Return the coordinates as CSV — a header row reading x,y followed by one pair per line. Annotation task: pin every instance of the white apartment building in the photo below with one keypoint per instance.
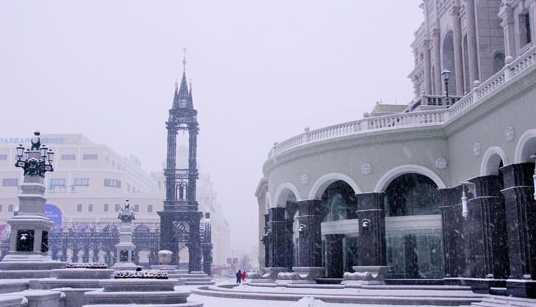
x,y
91,182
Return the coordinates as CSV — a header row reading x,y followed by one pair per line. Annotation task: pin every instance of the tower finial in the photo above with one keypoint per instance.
x,y
184,59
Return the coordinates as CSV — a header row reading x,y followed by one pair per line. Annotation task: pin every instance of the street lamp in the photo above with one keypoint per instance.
x,y
446,76
465,208
37,160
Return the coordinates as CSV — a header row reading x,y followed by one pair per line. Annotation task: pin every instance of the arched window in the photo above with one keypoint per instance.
x,y
524,30
498,61
411,194
413,228
338,202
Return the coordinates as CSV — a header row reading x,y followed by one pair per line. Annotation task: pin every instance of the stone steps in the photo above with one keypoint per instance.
x,y
501,301
406,298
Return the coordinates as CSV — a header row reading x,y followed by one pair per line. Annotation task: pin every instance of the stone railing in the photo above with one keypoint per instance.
x,y
422,118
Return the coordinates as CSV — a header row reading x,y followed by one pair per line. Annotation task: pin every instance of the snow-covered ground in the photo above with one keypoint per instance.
x,y
210,301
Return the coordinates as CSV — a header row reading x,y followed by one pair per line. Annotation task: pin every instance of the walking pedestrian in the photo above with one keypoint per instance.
x,y
238,276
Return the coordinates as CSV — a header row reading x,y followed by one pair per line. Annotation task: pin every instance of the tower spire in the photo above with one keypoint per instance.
x,y
184,60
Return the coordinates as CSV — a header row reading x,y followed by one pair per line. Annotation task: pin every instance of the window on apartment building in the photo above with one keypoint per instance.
x,y
56,185
90,157
137,208
84,182
1,208
10,208
10,182
105,208
68,157
79,208
524,29
3,157
113,183
117,207
90,208
149,208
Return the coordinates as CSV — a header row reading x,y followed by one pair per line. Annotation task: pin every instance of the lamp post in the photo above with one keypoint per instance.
x,y
29,239
37,160
446,76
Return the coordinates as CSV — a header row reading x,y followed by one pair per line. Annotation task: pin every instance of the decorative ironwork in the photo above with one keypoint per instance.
x,y
37,160
92,243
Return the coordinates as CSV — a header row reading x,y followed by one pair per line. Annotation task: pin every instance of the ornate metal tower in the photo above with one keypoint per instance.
x,y
180,220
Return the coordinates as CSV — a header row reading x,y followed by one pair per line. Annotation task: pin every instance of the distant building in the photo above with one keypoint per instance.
x,y
441,190
91,182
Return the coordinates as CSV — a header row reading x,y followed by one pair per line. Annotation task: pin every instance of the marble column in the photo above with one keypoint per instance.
x,y
427,67
486,230
371,242
265,241
436,43
521,228
453,239
471,41
458,58
277,243
310,240
507,15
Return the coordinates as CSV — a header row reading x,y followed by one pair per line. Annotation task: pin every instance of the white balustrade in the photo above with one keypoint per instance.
x,y
421,118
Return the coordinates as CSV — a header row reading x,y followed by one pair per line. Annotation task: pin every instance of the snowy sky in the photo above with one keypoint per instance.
x,y
261,72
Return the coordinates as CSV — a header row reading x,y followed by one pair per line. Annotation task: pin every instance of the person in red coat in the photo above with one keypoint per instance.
x,y
243,275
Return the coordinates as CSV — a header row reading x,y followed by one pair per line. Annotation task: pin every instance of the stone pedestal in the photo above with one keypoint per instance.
x,y
138,291
365,275
125,248
301,275
266,275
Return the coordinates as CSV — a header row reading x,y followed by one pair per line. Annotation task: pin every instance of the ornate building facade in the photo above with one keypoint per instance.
x,y
442,191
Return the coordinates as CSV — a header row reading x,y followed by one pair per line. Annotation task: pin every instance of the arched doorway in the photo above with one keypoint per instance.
x,y
339,241
413,228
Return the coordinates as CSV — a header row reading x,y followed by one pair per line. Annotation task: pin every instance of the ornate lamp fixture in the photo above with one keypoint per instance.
x,y
465,208
446,77
37,160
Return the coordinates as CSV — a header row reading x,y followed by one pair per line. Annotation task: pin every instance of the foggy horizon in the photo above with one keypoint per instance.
x,y
261,73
